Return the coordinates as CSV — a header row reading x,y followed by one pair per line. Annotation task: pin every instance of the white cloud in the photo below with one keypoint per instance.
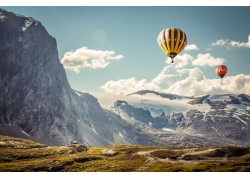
x,y
226,43
185,82
238,44
191,47
167,78
180,60
170,75
190,86
88,58
220,42
207,60
126,86
201,60
209,49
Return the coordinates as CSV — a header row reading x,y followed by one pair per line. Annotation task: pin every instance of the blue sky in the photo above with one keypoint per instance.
x,y
114,49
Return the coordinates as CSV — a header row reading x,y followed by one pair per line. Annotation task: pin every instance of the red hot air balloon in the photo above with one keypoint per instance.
x,y
221,71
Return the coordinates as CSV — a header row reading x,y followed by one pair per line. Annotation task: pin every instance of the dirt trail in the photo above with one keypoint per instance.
x,y
188,151
192,151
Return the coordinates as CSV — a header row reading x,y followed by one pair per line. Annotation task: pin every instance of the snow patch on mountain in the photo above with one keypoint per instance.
x,y
219,97
27,23
77,93
240,106
167,129
25,133
152,102
120,134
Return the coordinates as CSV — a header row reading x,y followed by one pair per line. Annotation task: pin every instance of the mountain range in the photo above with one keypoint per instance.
x,y
38,103
168,119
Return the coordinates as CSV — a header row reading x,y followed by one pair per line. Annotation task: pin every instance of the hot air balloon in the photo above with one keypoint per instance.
x,y
221,71
172,41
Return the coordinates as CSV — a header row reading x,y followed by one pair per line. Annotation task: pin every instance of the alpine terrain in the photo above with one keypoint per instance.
x,y
212,119
37,102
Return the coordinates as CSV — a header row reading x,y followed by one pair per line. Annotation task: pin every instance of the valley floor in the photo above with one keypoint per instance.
x,y
19,155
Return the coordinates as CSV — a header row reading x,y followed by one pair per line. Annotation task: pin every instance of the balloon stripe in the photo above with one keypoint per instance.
x,y
172,40
182,42
167,39
163,40
177,41
175,38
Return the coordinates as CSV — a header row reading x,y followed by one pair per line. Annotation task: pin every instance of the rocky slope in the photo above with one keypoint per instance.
x,y
36,100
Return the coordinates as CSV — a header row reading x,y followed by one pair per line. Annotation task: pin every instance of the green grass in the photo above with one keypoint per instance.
x,y
18,155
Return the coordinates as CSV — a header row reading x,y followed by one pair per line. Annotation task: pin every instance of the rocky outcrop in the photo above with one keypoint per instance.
x,y
36,99
109,152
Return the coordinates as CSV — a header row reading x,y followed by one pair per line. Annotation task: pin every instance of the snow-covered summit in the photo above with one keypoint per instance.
x,y
163,95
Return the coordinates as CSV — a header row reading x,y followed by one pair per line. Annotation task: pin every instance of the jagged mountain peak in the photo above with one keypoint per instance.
x,y
36,100
163,95
19,21
235,99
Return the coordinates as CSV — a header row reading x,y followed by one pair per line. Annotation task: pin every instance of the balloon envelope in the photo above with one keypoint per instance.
x,y
172,41
221,71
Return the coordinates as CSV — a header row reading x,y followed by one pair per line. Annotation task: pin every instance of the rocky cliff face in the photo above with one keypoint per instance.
x,y
36,99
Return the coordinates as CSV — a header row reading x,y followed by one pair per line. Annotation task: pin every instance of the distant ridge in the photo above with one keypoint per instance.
x,y
163,95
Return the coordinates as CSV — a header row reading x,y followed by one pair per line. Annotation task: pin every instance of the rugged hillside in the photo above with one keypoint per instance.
x,y
19,155
36,100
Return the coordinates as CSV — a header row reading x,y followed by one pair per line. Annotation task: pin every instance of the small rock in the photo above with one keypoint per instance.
x,y
110,152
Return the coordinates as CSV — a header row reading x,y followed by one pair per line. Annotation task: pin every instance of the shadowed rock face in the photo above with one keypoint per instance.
x,y
35,96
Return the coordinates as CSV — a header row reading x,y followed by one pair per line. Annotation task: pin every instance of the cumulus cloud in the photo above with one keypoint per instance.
x,y
184,82
201,60
190,86
167,78
170,75
209,49
126,86
207,60
88,58
228,43
191,47
180,60
220,42
239,44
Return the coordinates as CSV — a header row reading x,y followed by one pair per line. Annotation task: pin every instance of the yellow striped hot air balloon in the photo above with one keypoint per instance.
x,y
172,41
